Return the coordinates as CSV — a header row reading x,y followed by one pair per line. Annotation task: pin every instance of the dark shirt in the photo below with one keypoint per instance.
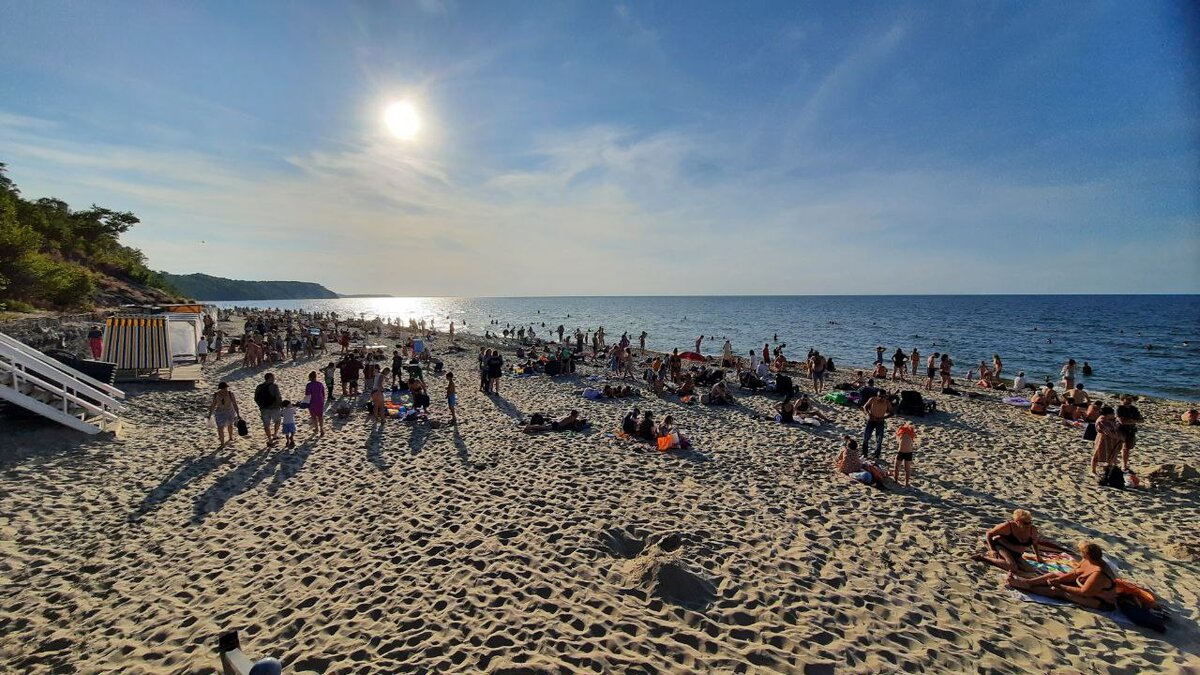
x,y
266,396
495,366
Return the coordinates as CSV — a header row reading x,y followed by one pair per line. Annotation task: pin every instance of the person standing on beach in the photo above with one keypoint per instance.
x,y
931,370
878,361
766,353
1068,375
816,370
375,386
699,340
269,402
314,392
328,372
907,436
915,359
451,397
945,368
95,341
218,345
495,369
1128,416
224,410
877,409
202,350
899,365
727,354
997,366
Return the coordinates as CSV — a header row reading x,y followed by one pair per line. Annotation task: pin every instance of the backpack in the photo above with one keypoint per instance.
x,y
263,397
911,403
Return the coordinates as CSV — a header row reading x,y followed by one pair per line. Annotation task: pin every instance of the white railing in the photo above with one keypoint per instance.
x,y
22,368
31,353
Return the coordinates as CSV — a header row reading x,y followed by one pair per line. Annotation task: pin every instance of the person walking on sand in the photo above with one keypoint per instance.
x,y
451,397
314,392
877,409
907,436
202,350
224,411
642,342
288,414
930,370
268,400
915,360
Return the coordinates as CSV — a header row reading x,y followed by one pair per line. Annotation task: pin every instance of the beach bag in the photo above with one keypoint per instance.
x,y
1143,616
242,428
1089,432
783,385
1113,477
836,397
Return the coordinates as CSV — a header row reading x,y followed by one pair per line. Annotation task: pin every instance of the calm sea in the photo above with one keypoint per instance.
x,y
1140,343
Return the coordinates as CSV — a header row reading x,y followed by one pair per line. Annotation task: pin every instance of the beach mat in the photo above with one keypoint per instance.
x,y
1115,615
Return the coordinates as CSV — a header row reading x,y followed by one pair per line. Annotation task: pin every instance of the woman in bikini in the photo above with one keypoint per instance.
x,y
1093,584
1008,541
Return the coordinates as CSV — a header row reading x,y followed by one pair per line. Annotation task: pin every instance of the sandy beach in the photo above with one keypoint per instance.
x,y
410,548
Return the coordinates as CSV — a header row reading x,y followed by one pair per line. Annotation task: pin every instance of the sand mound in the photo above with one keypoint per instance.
x,y
1173,475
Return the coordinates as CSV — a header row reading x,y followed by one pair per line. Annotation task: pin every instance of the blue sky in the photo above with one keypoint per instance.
x,y
613,148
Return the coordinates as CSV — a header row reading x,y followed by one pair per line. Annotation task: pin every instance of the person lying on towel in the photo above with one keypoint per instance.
x,y
1092,584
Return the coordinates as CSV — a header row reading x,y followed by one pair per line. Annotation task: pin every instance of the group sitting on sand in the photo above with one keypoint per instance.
x,y
665,434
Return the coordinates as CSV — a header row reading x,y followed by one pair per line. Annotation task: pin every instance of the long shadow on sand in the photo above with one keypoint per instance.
x,y
262,465
505,407
375,449
188,471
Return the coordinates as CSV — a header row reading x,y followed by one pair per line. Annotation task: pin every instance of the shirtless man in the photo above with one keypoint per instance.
x,y
816,368
877,409
931,370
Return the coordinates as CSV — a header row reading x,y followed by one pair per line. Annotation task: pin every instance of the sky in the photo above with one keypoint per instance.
x,y
599,148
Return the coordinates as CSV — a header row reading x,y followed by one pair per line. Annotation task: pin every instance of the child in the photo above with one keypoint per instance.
x,y
328,372
907,436
451,396
289,423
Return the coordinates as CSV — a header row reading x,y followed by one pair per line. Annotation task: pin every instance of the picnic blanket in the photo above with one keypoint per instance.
x,y
1017,401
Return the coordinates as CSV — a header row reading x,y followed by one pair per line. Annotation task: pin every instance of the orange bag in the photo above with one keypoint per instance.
x,y
664,443
1143,596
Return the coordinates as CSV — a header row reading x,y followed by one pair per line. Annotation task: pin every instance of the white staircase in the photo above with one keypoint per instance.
x,y
54,390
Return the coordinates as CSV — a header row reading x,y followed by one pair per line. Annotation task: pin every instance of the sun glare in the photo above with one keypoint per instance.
x,y
402,120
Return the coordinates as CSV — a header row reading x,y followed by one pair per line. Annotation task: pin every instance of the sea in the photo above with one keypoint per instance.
x,y
1142,344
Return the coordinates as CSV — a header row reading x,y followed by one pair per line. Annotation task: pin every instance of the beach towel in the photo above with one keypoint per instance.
x,y
1116,615
1017,401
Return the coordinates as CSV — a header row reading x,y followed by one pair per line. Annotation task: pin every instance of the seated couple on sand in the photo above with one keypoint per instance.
x,y
801,408
569,422
1092,583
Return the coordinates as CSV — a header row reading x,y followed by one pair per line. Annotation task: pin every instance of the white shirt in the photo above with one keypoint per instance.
x,y
202,346
1019,382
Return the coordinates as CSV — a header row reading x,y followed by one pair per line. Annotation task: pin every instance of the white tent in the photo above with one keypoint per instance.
x,y
185,331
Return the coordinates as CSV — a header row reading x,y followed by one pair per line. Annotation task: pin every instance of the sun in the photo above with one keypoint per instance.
x,y
402,120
